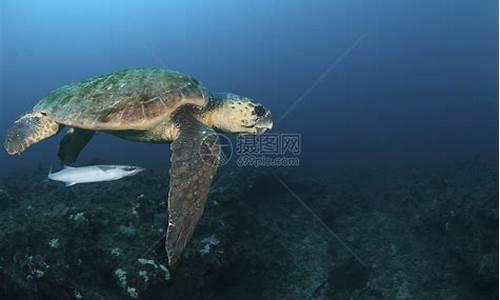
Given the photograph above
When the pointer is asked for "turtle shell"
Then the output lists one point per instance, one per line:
(135, 99)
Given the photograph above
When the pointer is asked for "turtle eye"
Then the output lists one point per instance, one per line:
(260, 110)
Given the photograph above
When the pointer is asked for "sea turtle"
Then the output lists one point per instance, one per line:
(148, 105)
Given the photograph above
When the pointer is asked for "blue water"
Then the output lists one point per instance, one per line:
(395, 104)
(420, 86)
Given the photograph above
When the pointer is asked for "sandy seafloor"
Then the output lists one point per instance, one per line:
(419, 233)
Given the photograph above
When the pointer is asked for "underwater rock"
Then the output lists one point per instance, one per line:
(208, 243)
(128, 231)
(59, 210)
(5, 199)
(256, 241)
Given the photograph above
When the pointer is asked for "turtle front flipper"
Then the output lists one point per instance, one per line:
(29, 129)
(72, 144)
(194, 162)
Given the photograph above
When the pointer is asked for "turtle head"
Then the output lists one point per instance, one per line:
(237, 114)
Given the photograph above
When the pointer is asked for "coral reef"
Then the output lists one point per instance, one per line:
(419, 233)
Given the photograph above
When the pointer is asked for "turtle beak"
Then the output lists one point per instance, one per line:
(264, 122)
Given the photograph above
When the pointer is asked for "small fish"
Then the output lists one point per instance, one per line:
(74, 175)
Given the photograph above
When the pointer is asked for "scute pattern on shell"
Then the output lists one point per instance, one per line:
(134, 99)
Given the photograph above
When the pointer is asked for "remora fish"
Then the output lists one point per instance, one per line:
(74, 175)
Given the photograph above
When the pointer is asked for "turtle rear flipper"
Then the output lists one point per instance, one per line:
(195, 158)
(29, 129)
(73, 143)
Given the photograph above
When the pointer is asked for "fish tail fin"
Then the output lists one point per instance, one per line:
(48, 175)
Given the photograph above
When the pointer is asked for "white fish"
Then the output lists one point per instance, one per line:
(74, 175)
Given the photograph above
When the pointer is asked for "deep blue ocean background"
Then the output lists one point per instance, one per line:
(420, 87)
(396, 195)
